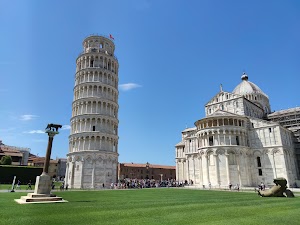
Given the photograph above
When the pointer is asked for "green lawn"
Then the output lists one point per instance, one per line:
(24, 186)
(153, 206)
(8, 187)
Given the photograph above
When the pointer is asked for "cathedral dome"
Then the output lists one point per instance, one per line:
(247, 87)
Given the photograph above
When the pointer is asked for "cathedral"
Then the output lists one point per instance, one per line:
(235, 143)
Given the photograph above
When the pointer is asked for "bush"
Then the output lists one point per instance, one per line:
(6, 160)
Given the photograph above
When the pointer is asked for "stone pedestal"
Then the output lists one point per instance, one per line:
(42, 192)
(43, 184)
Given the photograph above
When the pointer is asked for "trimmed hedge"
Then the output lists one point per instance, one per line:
(22, 173)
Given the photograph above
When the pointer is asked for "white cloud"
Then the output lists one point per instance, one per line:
(34, 132)
(66, 127)
(129, 86)
(28, 117)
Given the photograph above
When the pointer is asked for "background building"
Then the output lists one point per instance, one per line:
(290, 119)
(61, 168)
(235, 143)
(36, 161)
(19, 155)
(146, 171)
(93, 143)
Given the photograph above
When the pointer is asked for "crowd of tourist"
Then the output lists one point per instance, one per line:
(145, 183)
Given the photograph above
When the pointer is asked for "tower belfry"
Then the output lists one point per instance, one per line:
(93, 140)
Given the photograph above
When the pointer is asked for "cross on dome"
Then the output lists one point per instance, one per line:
(244, 76)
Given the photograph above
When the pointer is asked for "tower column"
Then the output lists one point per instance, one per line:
(94, 82)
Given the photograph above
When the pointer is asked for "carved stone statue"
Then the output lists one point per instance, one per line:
(279, 190)
(53, 127)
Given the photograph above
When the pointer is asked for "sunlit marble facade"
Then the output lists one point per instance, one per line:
(93, 143)
(235, 143)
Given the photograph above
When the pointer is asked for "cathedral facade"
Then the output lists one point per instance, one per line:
(235, 143)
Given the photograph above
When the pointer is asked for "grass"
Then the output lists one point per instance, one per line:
(24, 186)
(153, 206)
(8, 187)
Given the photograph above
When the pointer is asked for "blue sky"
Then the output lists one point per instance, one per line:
(174, 53)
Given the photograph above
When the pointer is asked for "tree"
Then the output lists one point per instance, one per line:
(6, 160)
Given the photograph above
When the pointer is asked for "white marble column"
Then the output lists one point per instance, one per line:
(93, 173)
(200, 170)
(177, 169)
(217, 168)
(82, 165)
(207, 169)
(89, 146)
(183, 168)
(274, 165)
(247, 168)
(227, 167)
(194, 173)
(238, 168)
(67, 173)
(188, 169)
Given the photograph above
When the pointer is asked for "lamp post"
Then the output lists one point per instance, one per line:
(147, 168)
(161, 175)
(43, 182)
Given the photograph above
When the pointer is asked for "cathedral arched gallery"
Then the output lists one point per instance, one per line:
(236, 143)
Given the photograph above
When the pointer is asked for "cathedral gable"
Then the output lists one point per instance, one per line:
(221, 97)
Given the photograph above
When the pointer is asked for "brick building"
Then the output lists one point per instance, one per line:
(145, 171)
(19, 155)
(40, 161)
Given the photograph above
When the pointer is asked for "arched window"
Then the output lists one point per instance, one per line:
(237, 140)
(231, 159)
(211, 159)
(211, 140)
(258, 162)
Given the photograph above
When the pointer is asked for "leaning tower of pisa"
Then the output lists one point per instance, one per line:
(93, 142)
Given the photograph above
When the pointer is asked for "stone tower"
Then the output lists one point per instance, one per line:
(93, 142)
